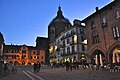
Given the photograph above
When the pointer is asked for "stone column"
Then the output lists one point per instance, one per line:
(96, 59)
(113, 58)
(101, 62)
(118, 60)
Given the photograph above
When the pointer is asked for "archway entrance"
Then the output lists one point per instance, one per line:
(115, 55)
(98, 58)
(11, 62)
(16, 63)
(23, 63)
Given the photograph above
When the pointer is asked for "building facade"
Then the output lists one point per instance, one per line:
(69, 44)
(26, 55)
(103, 34)
(42, 44)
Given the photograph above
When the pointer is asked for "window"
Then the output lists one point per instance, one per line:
(30, 57)
(83, 47)
(63, 51)
(95, 37)
(117, 14)
(38, 52)
(68, 50)
(68, 41)
(23, 51)
(37, 57)
(82, 31)
(23, 56)
(34, 57)
(73, 49)
(34, 52)
(92, 25)
(116, 32)
(64, 43)
(73, 39)
(72, 32)
(82, 38)
(52, 31)
(41, 57)
(104, 22)
(12, 51)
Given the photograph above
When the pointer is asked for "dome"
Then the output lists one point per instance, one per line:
(59, 17)
(58, 25)
(61, 20)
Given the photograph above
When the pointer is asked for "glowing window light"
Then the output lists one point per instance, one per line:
(75, 38)
(51, 49)
(55, 47)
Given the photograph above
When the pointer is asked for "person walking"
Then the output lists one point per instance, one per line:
(67, 65)
(38, 66)
(35, 67)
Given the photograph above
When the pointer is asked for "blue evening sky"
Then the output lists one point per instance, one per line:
(21, 21)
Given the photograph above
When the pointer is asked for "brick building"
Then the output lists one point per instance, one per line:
(103, 34)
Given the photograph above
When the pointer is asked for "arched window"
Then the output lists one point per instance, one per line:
(23, 51)
(95, 37)
(104, 21)
(117, 14)
(116, 32)
(92, 25)
(53, 31)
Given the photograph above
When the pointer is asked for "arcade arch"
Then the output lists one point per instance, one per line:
(98, 57)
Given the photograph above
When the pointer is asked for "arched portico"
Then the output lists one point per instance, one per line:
(114, 56)
(16, 63)
(98, 57)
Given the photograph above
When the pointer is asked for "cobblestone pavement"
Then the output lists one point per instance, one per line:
(26, 73)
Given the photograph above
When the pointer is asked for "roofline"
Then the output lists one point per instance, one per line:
(41, 37)
(69, 29)
(106, 6)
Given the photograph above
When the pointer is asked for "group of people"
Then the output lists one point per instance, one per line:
(71, 66)
(9, 67)
(36, 67)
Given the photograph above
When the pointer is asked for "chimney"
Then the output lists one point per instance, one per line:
(97, 9)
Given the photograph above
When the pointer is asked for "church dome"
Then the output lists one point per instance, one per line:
(59, 17)
(58, 25)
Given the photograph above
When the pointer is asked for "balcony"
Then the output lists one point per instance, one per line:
(68, 35)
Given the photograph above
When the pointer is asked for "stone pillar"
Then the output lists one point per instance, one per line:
(118, 60)
(101, 62)
(96, 59)
(113, 58)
